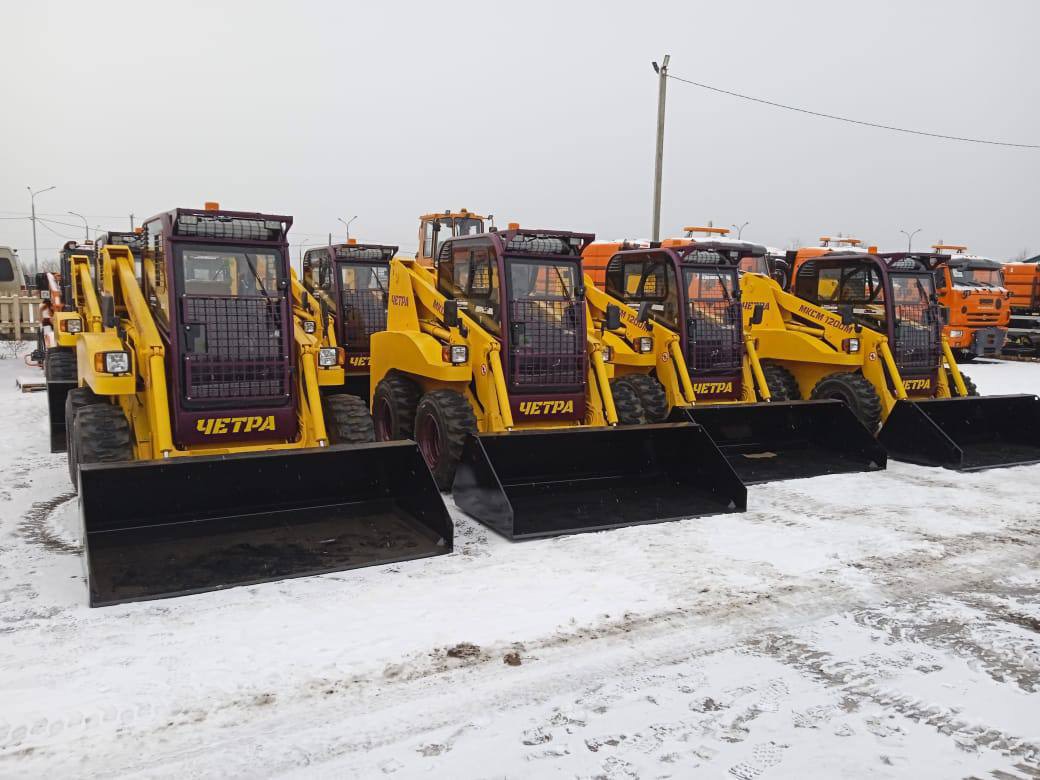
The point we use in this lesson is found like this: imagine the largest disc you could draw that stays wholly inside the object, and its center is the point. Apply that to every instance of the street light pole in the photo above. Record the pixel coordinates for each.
(910, 237)
(32, 198)
(662, 85)
(85, 225)
(740, 229)
(347, 223)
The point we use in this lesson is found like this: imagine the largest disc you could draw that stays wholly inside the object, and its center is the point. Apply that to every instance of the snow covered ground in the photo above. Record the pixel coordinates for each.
(869, 625)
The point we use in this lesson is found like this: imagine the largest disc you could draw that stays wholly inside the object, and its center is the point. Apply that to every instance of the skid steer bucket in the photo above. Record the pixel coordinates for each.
(767, 442)
(967, 434)
(168, 528)
(527, 484)
(56, 393)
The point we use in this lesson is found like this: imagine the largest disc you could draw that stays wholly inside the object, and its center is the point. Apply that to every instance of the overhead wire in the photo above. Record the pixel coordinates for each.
(864, 123)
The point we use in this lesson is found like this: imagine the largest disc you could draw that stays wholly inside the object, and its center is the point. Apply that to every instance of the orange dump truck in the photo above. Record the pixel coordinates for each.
(1022, 279)
(973, 289)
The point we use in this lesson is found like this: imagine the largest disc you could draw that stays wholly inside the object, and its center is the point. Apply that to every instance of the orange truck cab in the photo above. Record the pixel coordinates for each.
(973, 289)
(1022, 279)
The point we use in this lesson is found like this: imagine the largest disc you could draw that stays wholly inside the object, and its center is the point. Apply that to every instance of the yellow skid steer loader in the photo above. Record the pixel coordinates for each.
(490, 366)
(205, 453)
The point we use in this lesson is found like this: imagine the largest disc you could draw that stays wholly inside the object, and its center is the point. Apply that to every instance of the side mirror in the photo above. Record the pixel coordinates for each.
(847, 317)
(451, 313)
(780, 272)
(613, 317)
(758, 313)
(108, 310)
(644, 312)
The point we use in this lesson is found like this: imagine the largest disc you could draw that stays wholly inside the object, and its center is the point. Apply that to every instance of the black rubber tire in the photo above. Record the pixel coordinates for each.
(781, 383)
(629, 408)
(968, 384)
(101, 434)
(347, 420)
(443, 420)
(75, 400)
(651, 395)
(964, 356)
(60, 365)
(857, 393)
(393, 407)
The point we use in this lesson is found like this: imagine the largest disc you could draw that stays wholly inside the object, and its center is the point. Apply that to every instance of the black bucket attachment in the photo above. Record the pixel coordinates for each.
(967, 434)
(154, 529)
(527, 484)
(766, 442)
(56, 392)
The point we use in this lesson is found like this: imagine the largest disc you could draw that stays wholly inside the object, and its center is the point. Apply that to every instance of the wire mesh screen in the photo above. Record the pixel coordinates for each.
(364, 313)
(715, 338)
(917, 336)
(236, 347)
(547, 345)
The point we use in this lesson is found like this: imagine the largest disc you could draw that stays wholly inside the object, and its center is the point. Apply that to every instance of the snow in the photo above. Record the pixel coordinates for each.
(875, 625)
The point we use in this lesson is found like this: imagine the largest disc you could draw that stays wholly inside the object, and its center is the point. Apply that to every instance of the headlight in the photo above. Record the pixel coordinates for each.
(309, 326)
(956, 334)
(608, 354)
(72, 326)
(850, 345)
(645, 344)
(456, 354)
(113, 362)
(328, 357)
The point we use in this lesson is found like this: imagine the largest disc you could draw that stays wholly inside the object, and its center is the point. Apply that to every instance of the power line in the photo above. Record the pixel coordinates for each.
(851, 121)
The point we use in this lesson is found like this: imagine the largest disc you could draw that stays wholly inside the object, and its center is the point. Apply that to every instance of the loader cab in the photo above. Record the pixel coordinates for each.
(435, 229)
(693, 290)
(525, 289)
(893, 296)
(218, 285)
(68, 250)
(351, 280)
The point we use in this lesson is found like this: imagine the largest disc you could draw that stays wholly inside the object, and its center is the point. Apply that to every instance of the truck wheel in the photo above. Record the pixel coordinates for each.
(393, 407)
(630, 410)
(347, 420)
(443, 420)
(781, 383)
(857, 393)
(968, 384)
(963, 356)
(651, 395)
(75, 400)
(60, 365)
(101, 434)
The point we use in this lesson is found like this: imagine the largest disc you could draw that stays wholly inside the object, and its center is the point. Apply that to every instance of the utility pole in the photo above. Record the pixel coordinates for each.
(32, 198)
(131, 222)
(740, 229)
(662, 85)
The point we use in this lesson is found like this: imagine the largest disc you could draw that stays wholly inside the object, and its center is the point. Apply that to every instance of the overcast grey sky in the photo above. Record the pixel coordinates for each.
(540, 112)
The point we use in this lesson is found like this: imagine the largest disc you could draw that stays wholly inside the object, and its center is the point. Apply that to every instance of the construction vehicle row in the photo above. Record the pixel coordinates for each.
(227, 422)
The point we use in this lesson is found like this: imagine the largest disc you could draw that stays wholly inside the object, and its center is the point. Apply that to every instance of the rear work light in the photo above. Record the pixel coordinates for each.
(329, 357)
(956, 334)
(309, 326)
(72, 325)
(112, 362)
(608, 354)
(645, 344)
(456, 354)
(850, 345)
